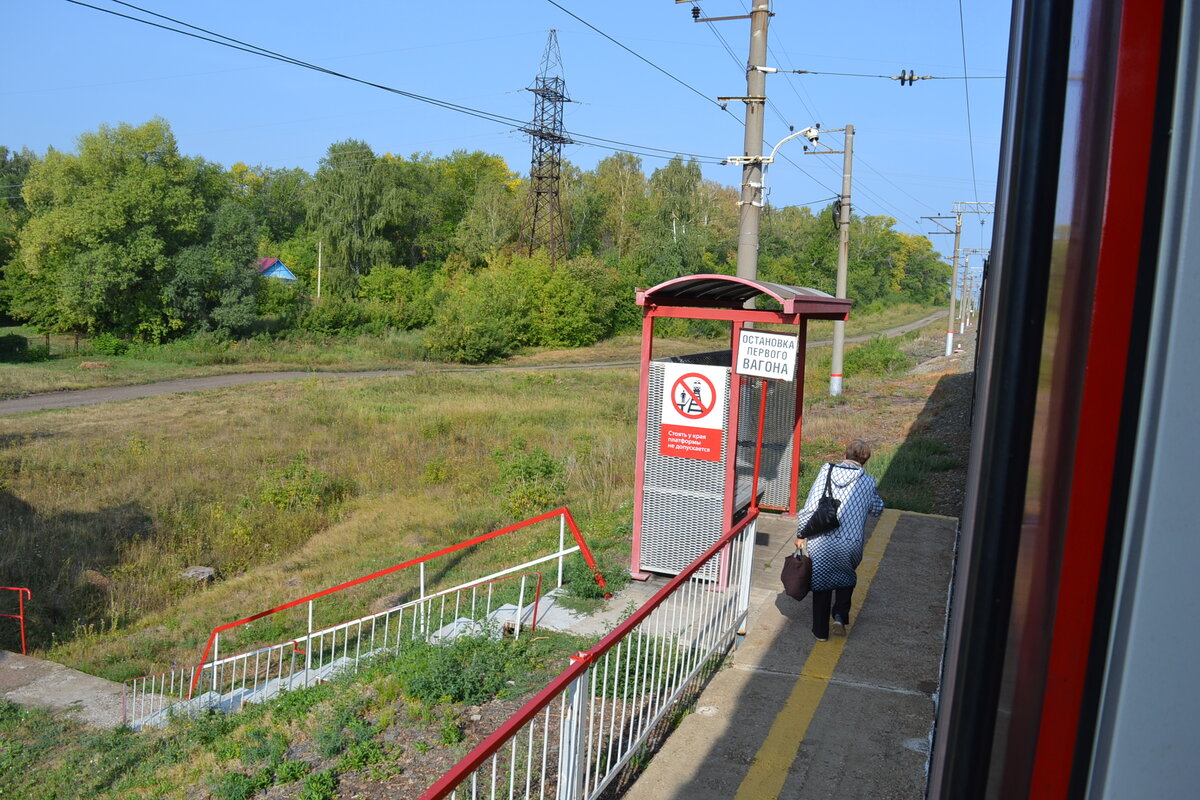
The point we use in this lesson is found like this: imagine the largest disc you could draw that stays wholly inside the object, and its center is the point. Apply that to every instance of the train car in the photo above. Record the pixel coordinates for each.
(1073, 646)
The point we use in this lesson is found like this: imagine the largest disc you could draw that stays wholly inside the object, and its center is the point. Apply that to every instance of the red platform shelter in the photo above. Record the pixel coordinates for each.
(693, 479)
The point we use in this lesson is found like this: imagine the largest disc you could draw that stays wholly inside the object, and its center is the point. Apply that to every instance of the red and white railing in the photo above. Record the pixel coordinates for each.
(572, 739)
(312, 655)
(257, 675)
(22, 595)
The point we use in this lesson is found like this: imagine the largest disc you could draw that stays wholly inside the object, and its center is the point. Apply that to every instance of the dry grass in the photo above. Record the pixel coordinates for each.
(110, 502)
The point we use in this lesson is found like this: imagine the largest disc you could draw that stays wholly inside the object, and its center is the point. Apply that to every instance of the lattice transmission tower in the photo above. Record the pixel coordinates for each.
(543, 225)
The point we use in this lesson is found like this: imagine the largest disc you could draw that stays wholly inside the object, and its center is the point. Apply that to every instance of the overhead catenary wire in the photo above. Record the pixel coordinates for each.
(962, 35)
(637, 55)
(252, 49)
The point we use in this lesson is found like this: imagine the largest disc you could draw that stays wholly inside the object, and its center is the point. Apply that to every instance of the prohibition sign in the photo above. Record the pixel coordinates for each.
(689, 400)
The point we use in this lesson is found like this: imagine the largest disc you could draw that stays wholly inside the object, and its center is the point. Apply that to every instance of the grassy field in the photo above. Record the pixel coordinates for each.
(74, 364)
(289, 487)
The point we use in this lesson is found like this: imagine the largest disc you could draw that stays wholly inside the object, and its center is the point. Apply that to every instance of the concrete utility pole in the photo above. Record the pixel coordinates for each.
(957, 231)
(953, 283)
(756, 98)
(968, 305)
(839, 327)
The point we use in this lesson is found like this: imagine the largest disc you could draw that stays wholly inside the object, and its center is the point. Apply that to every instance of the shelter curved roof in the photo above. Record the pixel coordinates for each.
(732, 292)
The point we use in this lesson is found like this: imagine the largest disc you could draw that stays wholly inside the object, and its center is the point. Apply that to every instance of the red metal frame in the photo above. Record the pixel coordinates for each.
(1093, 463)
(563, 511)
(22, 595)
(579, 662)
(639, 468)
(795, 310)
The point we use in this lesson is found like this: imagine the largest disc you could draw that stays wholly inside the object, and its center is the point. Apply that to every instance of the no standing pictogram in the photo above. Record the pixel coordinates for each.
(693, 395)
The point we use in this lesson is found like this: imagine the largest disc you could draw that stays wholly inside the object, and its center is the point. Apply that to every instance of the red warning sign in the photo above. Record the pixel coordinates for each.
(693, 395)
(693, 411)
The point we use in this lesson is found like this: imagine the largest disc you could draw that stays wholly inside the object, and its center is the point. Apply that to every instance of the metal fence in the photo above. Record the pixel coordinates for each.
(22, 595)
(255, 676)
(576, 738)
(317, 654)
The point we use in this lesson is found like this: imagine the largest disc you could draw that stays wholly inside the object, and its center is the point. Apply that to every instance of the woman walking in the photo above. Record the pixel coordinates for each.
(835, 555)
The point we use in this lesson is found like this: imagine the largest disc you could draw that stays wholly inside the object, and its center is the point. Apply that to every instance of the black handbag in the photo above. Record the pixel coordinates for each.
(797, 575)
(825, 517)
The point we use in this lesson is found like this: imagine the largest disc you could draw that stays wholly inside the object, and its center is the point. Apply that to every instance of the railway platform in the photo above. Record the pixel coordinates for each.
(792, 718)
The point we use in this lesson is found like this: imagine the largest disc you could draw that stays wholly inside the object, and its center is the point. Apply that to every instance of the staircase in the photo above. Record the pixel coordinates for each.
(154, 706)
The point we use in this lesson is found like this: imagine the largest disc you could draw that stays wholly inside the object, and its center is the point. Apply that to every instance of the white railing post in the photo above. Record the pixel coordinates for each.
(423, 611)
(216, 652)
(308, 644)
(520, 610)
(562, 541)
(745, 543)
(571, 740)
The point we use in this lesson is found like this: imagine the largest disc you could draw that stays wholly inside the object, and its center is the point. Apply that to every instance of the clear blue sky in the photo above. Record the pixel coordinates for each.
(73, 68)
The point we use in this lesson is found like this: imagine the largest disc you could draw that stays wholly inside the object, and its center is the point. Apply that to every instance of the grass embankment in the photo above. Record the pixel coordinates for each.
(292, 487)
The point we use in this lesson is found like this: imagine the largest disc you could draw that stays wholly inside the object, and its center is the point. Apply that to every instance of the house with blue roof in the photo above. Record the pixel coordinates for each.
(274, 268)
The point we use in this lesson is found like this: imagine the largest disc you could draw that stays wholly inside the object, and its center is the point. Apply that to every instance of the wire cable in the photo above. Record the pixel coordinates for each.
(636, 54)
(252, 49)
(962, 31)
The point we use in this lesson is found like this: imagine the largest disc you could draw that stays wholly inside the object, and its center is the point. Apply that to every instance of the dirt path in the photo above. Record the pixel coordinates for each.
(112, 394)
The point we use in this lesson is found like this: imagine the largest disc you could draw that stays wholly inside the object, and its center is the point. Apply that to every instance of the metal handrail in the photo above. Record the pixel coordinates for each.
(23, 594)
(152, 695)
(570, 688)
(565, 512)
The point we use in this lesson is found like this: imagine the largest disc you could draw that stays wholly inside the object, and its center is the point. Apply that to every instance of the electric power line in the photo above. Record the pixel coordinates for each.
(636, 54)
(902, 77)
(252, 49)
(962, 31)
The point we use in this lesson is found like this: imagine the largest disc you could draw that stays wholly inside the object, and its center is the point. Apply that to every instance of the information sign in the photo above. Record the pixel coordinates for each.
(767, 355)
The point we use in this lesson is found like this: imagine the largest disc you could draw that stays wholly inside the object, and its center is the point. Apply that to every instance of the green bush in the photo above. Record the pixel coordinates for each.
(13, 347)
(297, 486)
(580, 582)
(880, 356)
(334, 316)
(531, 481)
(106, 344)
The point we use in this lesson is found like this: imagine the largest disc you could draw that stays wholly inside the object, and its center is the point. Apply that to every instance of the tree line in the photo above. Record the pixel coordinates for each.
(128, 237)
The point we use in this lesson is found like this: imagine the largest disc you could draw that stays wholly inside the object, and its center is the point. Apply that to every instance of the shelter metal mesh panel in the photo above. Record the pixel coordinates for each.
(774, 475)
(682, 498)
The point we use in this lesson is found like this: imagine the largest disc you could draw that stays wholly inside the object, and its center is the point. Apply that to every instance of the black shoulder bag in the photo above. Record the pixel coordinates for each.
(825, 518)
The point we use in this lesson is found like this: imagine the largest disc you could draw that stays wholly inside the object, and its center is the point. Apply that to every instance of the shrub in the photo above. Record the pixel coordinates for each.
(530, 481)
(580, 582)
(298, 485)
(333, 316)
(880, 356)
(13, 347)
(106, 344)
(471, 669)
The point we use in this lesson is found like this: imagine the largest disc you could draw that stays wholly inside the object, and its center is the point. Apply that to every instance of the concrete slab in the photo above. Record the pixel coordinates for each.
(871, 704)
(33, 682)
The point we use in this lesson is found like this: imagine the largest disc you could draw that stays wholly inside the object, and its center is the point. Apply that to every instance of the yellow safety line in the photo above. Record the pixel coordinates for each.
(769, 769)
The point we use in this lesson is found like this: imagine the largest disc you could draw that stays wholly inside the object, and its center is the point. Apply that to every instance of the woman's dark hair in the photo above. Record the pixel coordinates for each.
(858, 450)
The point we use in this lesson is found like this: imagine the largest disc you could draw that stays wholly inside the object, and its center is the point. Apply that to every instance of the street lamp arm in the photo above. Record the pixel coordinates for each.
(771, 158)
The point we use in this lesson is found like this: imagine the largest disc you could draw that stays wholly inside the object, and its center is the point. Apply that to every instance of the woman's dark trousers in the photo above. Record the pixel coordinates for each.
(821, 609)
